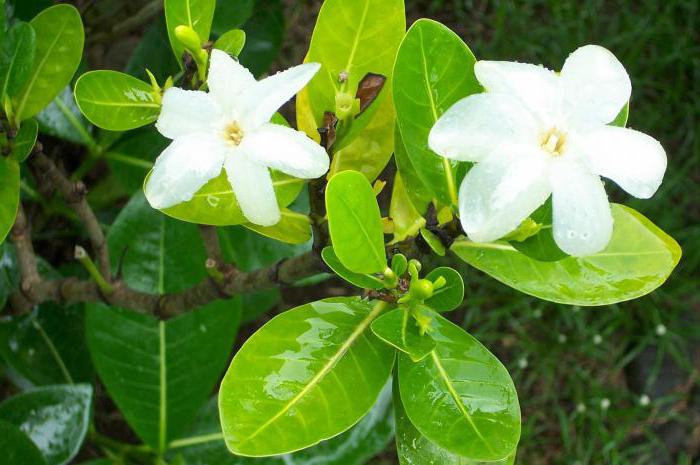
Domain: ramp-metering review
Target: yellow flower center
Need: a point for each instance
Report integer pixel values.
(554, 142)
(233, 134)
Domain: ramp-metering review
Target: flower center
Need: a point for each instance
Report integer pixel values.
(554, 142)
(233, 134)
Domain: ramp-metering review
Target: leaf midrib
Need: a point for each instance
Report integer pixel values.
(11, 65)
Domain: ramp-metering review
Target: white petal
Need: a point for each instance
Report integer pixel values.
(183, 168)
(252, 185)
(286, 150)
(263, 99)
(187, 112)
(538, 87)
(581, 215)
(479, 125)
(227, 80)
(499, 193)
(596, 85)
(634, 160)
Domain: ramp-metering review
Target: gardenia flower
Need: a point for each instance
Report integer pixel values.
(230, 128)
(535, 132)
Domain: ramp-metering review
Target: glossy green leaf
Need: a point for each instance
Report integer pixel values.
(47, 345)
(197, 14)
(16, 58)
(419, 194)
(17, 448)
(9, 194)
(355, 223)
(215, 203)
(363, 281)
(451, 295)
(398, 329)
(350, 46)
(160, 373)
(264, 35)
(24, 140)
(433, 242)
(542, 245)
(293, 228)
(434, 70)
(306, 376)
(405, 218)
(461, 397)
(415, 449)
(59, 48)
(230, 14)
(63, 119)
(56, 419)
(131, 158)
(116, 101)
(354, 447)
(638, 259)
(149, 54)
(9, 272)
(231, 42)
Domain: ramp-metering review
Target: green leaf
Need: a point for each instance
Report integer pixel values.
(293, 228)
(56, 419)
(405, 218)
(264, 35)
(132, 156)
(461, 397)
(434, 70)
(161, 373)
(354, 447)
(215, 203)
(284, 387)
(355, 223)
(24, 140)
(542, 245)
(63, 119)
(116, 101)
(345, 41)
(398, 329)
(47, 346)
(433, 242)
(9, 194)
(363, 281)
(230, 14)
(149, 54)
(16, 58)
(17, 448)
(59, 48)
(415, 449)
(420, 195)
(232, 42)
(622, 117)
(451, 295)
(197, 14)
(9, 272)
(638, 259)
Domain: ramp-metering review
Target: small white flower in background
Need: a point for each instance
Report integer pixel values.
(661, 330)
(597, 339)
(534, 133)
(523, 363)
(644, 400)
(605, 403)
(562, 338)
(581, 407)
(230, 128)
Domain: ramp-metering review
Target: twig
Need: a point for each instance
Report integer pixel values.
(211, 243)
(82, 256)
(21, 237)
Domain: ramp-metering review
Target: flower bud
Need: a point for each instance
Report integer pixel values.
(189, 38)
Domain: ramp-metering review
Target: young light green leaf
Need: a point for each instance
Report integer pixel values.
(17, 448)
(541, 246)
(349, 47)
(451, 295)
(638, 259)
(622, 117)
(59, 48)
(415, 449)
(434, 69)
(116, 101)
(293, 228)
(16, 58)
(355, 223)
(56, 419)
(232, 42)
(197, 14)
(283, 388)
(363, 281)
(433, 242)
(9, 194)
(24, 140)
(398, 329)
(405, 218)
(461, 397)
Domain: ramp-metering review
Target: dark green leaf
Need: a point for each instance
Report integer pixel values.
(132, 156)
(638, 259)
(56, 419)
(24, 140)
(17, 448)
(116, 101)
(264, 35)
(461, 397)
(148, 54)
(230, 14)
(434, 69)
(355, 223)
(286, 385)
(9, 272)
(59, 48)
(451, 295)
(9, 194)
(197, 14)
(16, 58)
(363, 281)
(398, 329)
(62, 119)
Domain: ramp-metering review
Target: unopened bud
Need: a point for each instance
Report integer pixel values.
(189, 38)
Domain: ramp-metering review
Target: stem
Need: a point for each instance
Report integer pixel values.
(82, 256)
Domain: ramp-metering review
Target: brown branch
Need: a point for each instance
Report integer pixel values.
(210, 237)
(22, 238)
(74, 194)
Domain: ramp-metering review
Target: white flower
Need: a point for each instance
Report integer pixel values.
(535, 132)
(230, 128)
